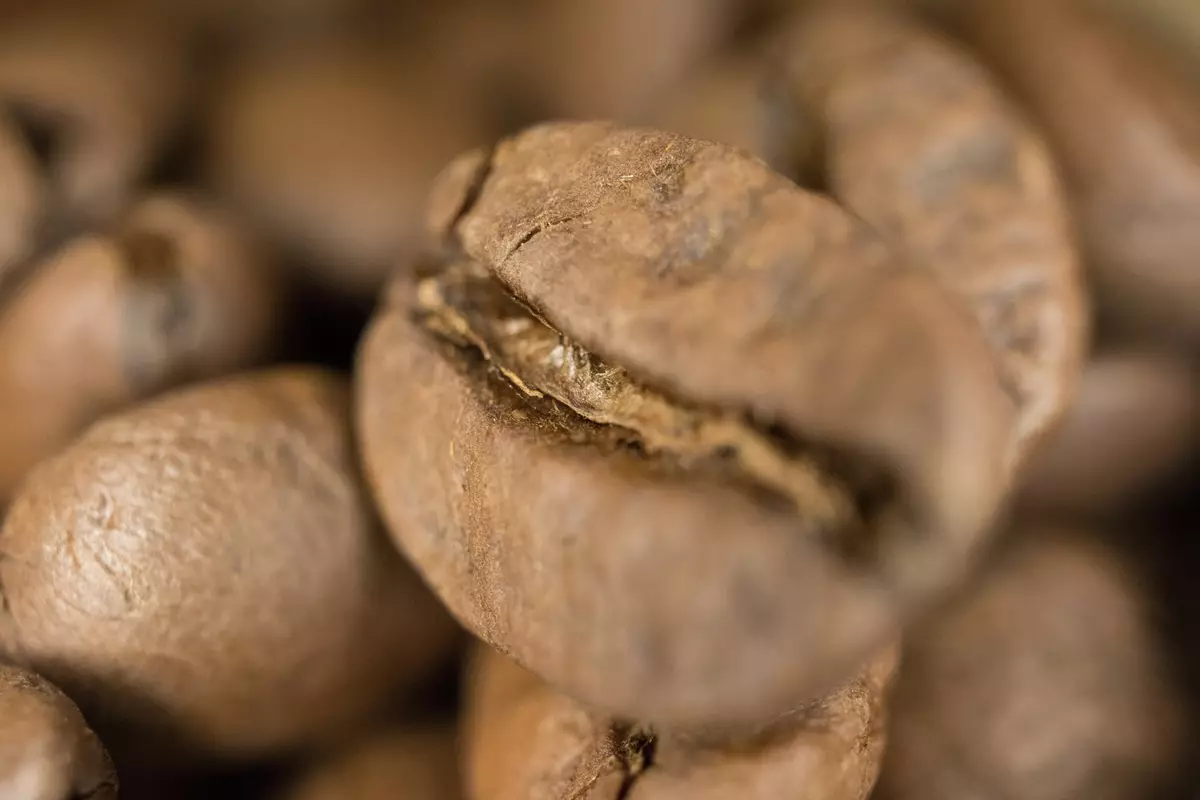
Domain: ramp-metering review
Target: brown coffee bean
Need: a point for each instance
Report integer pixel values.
(47, 751)
(105, 84)
(1046, 682)
(204, 574)
(919, 140)
(21, 198)
(416, 762)
(524, 741)
(176, 293)
(1134, 424)
(333, 149)
(613, 59)
(738, 100)
(1172, 26)
(643, 344)
(1123, 126)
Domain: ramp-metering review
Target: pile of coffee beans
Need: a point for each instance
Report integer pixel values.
(599, 399)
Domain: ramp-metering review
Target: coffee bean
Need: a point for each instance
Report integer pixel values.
(204, 574)
(47, 751)
(524, 740)
(175, 293)
(922, 142)
(1047, 680)
(1122, 124)
(644, 344)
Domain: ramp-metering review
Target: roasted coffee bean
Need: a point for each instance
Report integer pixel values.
(1046, 682)
(47, 751)
(175, 293)
(683, 439)
(916, 137)
(332, 149)
(205, 576)
(524, 741)
(102, 85)
(1124, 129)
(1133, 427)
(740, 100)
(22, 194)
(612, 59)
(416, 762)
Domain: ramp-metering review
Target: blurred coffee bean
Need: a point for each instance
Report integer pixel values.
(1134, 424)
(21, 199)
(1046, 681)
(175, 293)
(1123, 124)
(332, 150)
(100, 87)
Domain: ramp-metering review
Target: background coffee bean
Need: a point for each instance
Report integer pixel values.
(205, 576)
(920, 140)
(1122, 124)
(47, 751)
(175, 293)
(98, 86)
(1131, 431)
(1047, 680)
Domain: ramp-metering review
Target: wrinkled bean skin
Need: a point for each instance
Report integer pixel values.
(1123, 126)
(47, 751)
(1046, 681)
(699, 270)
(420, 762)
(176, 293)
(922, 142)
(523, 740)
(107, 81)
(205, 575)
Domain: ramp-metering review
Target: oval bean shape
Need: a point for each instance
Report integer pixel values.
(47, 751)
(175, 293)
(920, 140)
(683, 439)
(1124, 126)
(206, 577)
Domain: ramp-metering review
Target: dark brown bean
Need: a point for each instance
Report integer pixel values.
(176, 293)
(720, 446)
(524, 741)
(1046, 682)
(47, 751)
(205, 575)
(920, 140)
